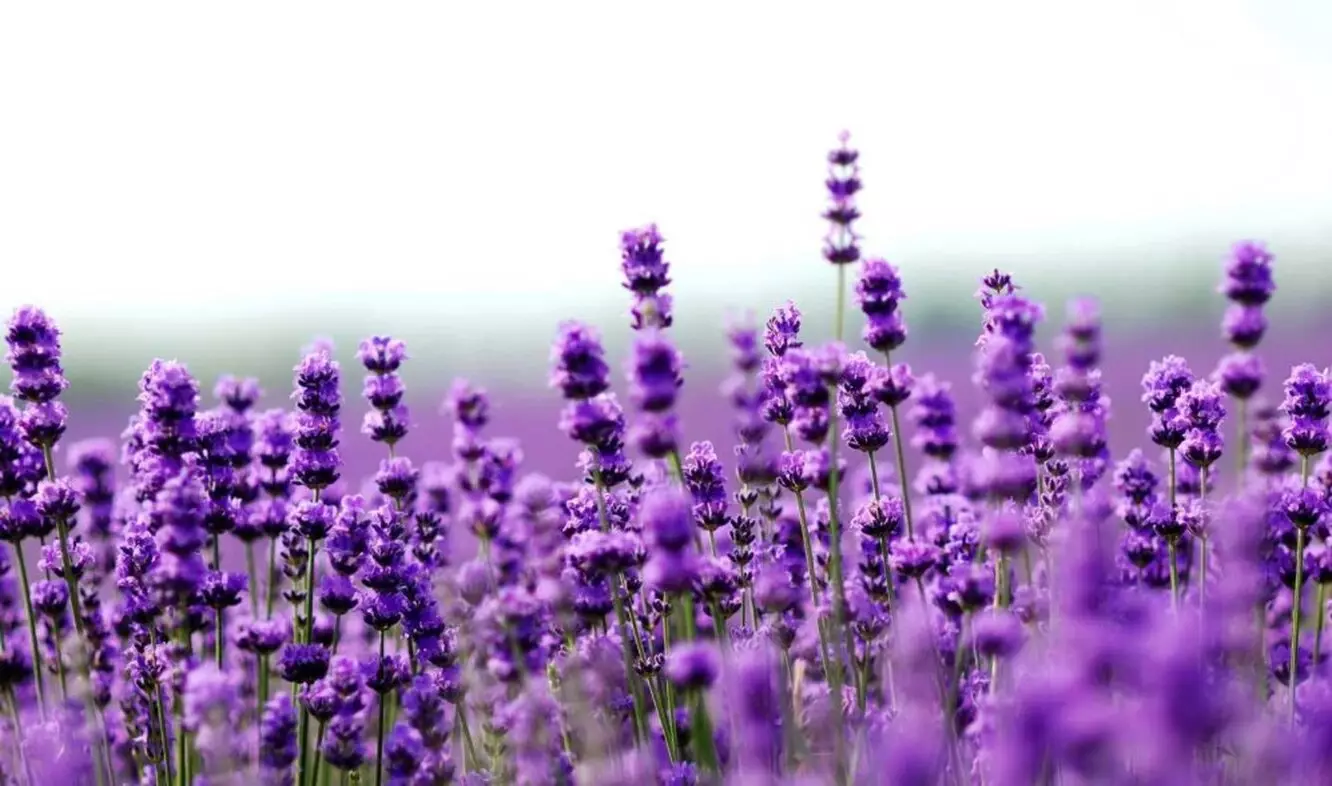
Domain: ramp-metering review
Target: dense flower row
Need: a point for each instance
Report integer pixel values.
(866, 596)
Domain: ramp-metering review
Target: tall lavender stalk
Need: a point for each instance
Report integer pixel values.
(1201, 407)
(841, 248)
(1162, 385)
(879, 293)
(19, 521)
(1005, 364)
(315, 465)
(34, 356)
(1248, 285)
(1308, 403)
(592, 417)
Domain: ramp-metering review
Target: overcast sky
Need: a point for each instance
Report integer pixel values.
(180, 160)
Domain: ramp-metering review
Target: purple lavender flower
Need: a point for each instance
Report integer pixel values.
(703, 478)
(997, 633)
(1241, 374)
(654, 378)
(880, 518)
(841, 246)
(912, 558)
(34, 356)
(1248, 274)
(654, 373)
(222, 590)
(315, 464)
(303, 663)
(238, 393)
(879, 293)
(1165, 381)
(857, 399)
(692, 666)
(1308, 402)
(646, 274)
(387, 421)
(1244, 326)
(580, 370)
(783, 330)
(934, 414)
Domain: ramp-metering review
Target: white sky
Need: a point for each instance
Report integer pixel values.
(185, 159)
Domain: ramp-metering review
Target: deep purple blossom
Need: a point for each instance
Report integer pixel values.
(580, 369)
(316, 463)
(646, 274)
(841, 246)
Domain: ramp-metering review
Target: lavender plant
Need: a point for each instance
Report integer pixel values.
(882, 600)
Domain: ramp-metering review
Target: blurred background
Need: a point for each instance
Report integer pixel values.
(223, 183)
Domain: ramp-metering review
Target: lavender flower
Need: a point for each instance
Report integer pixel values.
(654, 378)
(387, 421)
(879, 293)
(34, 355)
(841, 246)
(315, 463)
(646, 274)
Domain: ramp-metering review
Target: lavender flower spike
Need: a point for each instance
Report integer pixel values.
(646, 274)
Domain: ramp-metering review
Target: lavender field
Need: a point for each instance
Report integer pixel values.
(872, 554)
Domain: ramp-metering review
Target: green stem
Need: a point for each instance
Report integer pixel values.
(839, 315)
(1261, 665)
(1174, 575)
(59, 661)
(310, 590)
(1298, 599)
(667, 721)
(318, 754)
(1241, 441)
(159, 708)
(701, 733)
(636, 694)
(1319, 622)
(901, 459)
(1295, 616)
(271, 589)
(38, 672)
(470, 759)
(677, 467)
(1174, 569)
(1173, 483)
(219, 637)
(254, 583)
(182, 747)
(303, 740)
(811, 569)
(260, 694)
(1202, 544)
(835, 544)
(383, 721)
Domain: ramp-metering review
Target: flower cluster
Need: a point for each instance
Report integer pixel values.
(1013, 605)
